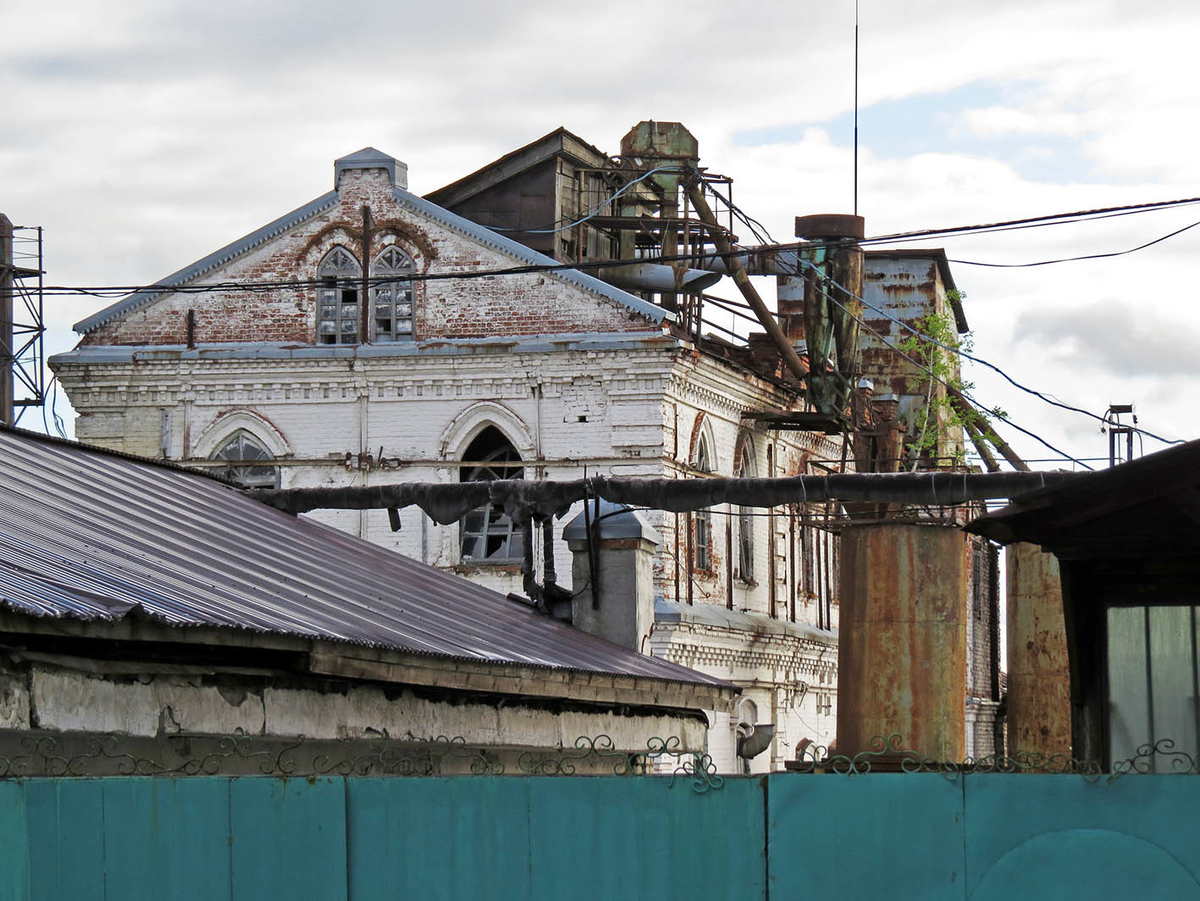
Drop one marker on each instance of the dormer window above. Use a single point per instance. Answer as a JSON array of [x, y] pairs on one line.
[[337, 298], [392, 300]]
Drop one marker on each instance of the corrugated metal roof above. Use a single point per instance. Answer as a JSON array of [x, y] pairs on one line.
[[90, 535]]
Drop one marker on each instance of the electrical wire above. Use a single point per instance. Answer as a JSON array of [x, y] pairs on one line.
[[1034, 221], [1090, 256], [1054, 402], [108, 291], [997, 413]]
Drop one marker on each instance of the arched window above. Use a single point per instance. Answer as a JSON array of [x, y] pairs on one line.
[[745, 468], [702, 520], [488, 533], [392, 300], [245, 467], [337, 312]]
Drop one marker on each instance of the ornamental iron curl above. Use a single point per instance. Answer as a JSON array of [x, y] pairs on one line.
[[1149, 758], [41, 754], [888, 755]]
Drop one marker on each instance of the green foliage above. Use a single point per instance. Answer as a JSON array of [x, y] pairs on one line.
[[939, 418]]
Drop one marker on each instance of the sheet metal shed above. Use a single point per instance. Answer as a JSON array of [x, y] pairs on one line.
[[1128, 543], [95, 536]]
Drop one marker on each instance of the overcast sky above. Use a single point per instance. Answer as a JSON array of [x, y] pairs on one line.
[[143, 135]]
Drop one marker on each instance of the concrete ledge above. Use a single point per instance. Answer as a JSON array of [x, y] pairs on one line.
[[737, 620]]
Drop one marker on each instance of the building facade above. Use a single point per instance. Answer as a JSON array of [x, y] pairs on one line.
[[404, 371]]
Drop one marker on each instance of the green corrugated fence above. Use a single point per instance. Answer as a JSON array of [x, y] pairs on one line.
[[920, 836]]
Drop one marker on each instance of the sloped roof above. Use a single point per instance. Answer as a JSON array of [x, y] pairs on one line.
[[92, 535], [558, 143], [1149, 507], [444, 217]]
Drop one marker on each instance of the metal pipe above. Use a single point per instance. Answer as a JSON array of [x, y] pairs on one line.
[[658, 277], [969, 413], [447, 502], [790, 358]]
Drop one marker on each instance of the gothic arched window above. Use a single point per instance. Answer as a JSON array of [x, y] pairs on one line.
[[338, 313], [745, 469], [702, 547], [245, 458], [488, 533], [393, 300]]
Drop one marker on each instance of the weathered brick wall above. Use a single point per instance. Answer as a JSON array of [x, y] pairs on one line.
[[535, 303]]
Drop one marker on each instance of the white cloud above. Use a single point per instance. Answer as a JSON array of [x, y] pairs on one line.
[[143, 135]]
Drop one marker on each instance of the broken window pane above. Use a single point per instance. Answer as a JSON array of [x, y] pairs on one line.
[[488, 534], [393, 299], [339, 297], [242, 448]]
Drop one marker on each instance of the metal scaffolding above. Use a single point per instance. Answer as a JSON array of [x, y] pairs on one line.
[[22, 326]]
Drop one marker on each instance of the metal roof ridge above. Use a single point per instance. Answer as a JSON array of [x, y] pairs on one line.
[[206, 264]]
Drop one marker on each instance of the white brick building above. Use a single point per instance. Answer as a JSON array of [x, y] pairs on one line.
[[541, 374]]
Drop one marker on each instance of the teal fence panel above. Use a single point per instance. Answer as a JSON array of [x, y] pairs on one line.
[[578, 838], [1038, 837], [434, 838], [604, 838], [895, 836], [919, 836], [288, 839], [14, 842], [67, 830], [166, 839]]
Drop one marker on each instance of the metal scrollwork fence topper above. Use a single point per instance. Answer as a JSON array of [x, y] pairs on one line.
[[26, 755], [888, 754]]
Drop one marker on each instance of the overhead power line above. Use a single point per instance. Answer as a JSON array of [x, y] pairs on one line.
[[1054, 402], [1089, 256], [106, 291], [929, 372], [1034, 221]]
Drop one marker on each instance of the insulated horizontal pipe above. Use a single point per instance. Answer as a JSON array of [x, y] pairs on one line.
[[447, 502], [658, 277], [753, 260]]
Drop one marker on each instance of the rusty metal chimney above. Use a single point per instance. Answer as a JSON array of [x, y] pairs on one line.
[[649, 145], [902, 638], [821, 306]]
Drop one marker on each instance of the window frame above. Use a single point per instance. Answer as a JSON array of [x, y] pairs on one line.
[[490, 521], [392, 294], [244, 475], [745, 468], [702, 534], [336, 268]]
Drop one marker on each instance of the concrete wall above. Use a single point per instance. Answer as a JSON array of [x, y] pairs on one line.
[[48, 697]]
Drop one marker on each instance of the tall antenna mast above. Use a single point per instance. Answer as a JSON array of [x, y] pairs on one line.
[[855, 107]]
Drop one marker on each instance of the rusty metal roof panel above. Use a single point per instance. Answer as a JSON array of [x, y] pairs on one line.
[[92, 535]]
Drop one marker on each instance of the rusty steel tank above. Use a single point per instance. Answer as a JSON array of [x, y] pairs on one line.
[[902, 647]]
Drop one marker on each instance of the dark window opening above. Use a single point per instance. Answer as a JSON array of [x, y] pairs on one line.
[[488, 534]]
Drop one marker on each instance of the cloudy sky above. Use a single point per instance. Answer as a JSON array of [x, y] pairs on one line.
[[143, 135]]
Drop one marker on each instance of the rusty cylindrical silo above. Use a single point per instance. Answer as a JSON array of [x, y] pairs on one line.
[[1039, 676], [902, 646]]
